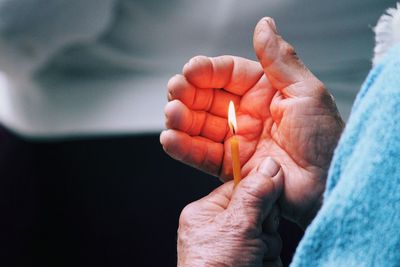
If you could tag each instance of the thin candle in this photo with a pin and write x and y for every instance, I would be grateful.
(234, 144)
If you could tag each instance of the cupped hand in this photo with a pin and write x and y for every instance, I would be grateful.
(234, 226)
(283, 111)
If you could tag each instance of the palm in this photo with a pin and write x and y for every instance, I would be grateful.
(297, 133)
(283, 112)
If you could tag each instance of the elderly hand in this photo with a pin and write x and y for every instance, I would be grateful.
(283, 111)
(226, 227)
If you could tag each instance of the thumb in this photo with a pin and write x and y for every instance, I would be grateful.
(280, 62)
(256, 193)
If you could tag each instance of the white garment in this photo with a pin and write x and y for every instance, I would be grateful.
(98, 67)
(387, 32)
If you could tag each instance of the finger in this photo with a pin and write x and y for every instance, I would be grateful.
(273, 242)
(220, 196)
(198, 152)
(215, 101)
(271, 223)
(235, 74)
(195, 123)
(255, 194)
(281, 64)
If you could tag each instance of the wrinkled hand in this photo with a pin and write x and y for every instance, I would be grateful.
(283, 111)
(226, 227)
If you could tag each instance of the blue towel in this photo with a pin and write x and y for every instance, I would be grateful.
(359, 222)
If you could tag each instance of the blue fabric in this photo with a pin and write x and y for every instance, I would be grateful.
(359, 222)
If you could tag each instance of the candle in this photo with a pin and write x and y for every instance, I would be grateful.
(234, 144)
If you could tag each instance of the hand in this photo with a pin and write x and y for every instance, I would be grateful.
(225, 228)
(283, 111)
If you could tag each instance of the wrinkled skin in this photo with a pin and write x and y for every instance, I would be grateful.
(226, 227)
(283, 111)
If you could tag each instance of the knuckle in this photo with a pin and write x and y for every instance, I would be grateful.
(249, 228)
(252, 191)
(276, 111)
(326, 99)
(323, 96)
(240, 224)
(287, 49)
(258, 188)
(320, 87)
(187, 215)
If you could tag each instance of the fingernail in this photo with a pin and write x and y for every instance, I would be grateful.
(269, 168)
(271, 23)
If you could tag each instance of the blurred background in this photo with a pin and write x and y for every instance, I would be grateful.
(84, 180)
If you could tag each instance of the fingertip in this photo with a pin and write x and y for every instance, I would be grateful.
(164, 139)
(268, 167)
(280, 61)
(265, 40)
(197, 69)
(165, 136)
(168, 141)
(193, 62)
(257, 193)
(271, 23)
(172, 106)
(172, 82)
(267, 181)
(272, 171)
(180, 89)
(200, 153)
(174, 111)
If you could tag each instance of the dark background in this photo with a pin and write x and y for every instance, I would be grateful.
(110, 201)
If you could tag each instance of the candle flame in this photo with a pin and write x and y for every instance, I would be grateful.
(232, 117)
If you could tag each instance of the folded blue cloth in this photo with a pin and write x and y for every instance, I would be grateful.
(359, 222)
